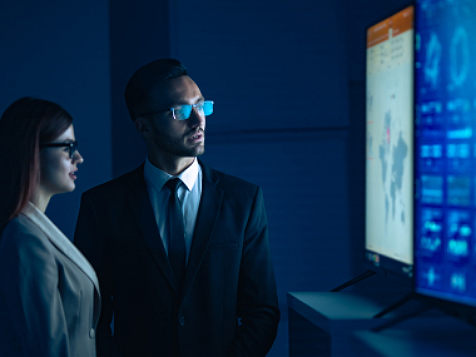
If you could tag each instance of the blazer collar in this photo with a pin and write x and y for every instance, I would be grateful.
(207, 218)
(60, 241)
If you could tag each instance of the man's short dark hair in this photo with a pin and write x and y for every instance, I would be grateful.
(146, 79)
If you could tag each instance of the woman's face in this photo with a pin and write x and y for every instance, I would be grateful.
(57, 168)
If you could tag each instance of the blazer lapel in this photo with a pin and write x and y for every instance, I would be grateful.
(60, 241)
(143, 214)
(210, 204)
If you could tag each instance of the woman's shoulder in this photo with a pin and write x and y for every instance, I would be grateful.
(19, 231)
(21, 225)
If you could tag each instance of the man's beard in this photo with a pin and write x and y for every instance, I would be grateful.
(182, 150)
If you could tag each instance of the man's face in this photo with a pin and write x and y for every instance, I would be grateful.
(166, 135)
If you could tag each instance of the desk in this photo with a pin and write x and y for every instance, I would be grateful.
(321, 323)
(340, 323)
(445, 337)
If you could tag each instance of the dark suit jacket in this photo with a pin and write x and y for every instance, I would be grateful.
(49, 297)
(229, 304)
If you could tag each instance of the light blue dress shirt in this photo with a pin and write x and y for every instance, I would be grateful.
(189, 194)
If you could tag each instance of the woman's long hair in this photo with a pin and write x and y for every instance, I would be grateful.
(25, 124)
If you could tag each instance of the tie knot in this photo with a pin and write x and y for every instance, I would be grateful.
(173, 184)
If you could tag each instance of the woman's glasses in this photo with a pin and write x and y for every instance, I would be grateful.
(71, 145)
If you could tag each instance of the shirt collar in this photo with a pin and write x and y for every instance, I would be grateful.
(157, 177)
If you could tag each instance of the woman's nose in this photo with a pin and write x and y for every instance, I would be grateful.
(77, 158)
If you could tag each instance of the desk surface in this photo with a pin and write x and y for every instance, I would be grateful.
(447, 336)
(341, 310)
(431, 334)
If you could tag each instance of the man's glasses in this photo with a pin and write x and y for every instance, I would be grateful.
(183, 112)
(72, 147)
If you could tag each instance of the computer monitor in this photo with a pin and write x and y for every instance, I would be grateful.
(445, 170)
(389, 143)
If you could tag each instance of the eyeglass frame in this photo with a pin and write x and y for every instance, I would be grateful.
(172, 109)
(72, 147)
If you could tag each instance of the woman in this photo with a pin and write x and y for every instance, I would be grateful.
(49, 295)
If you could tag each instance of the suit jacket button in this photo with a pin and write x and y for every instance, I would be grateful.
(181, 320)
(92, 333)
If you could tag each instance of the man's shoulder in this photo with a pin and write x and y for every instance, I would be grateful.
(230, 183)
(117, 185)
(225, 178)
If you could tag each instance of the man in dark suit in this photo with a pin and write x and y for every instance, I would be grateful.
(181, 250)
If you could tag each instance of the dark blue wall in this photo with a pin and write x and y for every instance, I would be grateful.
(60, 51)
(139, 34)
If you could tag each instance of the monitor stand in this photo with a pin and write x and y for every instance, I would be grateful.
(395, 305)
(425, 305)
(358, 278)
(402, 301)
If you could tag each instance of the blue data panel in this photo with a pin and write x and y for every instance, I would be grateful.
(445, 249)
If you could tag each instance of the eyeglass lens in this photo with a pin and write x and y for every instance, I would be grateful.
(73, 148)
(183, 112)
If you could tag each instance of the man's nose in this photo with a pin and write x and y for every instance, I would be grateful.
(197, 118)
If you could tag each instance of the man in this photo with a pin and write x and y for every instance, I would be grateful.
(184, 265)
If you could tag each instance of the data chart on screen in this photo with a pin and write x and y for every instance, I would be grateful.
(389, 137)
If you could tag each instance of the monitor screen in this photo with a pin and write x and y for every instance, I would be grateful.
(389, 142)
(445, 249)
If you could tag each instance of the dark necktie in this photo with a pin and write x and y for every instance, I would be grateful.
(176, 239)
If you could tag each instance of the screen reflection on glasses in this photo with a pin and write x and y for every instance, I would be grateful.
(184, 111)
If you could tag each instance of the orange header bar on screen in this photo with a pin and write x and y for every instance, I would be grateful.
(399, 23)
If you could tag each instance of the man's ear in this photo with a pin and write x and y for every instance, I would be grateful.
(141, 125)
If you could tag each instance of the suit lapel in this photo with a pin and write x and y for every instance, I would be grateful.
(143, 215)
(210, 204)
(60, 241)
